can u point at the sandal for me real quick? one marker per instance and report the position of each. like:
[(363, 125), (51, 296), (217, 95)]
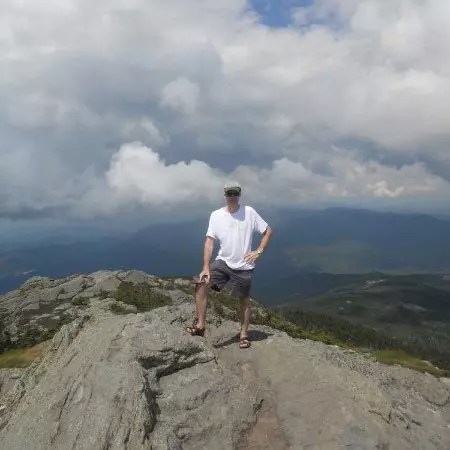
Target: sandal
[(194, 330), (244, 342)]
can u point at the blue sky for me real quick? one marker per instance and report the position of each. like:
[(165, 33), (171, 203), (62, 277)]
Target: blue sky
[(277, 13)]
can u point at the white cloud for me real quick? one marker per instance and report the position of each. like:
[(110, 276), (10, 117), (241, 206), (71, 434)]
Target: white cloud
[(181, 95), (138, 176), (212, 92), (143, 129), (137, 173)]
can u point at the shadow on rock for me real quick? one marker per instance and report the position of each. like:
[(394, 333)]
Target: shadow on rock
[(254, 335)]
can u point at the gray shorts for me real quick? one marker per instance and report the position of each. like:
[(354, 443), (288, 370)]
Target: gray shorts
[(240, 280)]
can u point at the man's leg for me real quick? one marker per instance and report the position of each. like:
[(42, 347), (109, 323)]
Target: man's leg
[(218, 279), (246, 315), (198, 327), (201, 303), (242, 281)]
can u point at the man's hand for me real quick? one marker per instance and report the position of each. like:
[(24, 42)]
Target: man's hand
[(204, 275), (251, 257)]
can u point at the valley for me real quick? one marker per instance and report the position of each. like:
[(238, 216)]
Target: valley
[(412, 312)]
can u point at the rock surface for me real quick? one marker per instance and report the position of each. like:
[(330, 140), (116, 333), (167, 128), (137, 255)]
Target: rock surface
[(138, 381), (42, 304), (8, 379)]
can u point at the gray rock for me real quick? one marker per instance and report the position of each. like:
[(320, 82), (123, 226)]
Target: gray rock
[(139, 381), (137, 276), (41, 301), (91, 286), (107, 284), (127, 382), (63, 307), (182, 282), (178, 297), (43, 316), (326, 397), (74, 286), (37, 281), (8, 378)]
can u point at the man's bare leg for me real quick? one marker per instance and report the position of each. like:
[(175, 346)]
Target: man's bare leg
[(201, 304), (201, 291), (246, 314)]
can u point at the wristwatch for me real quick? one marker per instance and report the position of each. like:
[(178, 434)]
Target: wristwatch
[(259, 251)]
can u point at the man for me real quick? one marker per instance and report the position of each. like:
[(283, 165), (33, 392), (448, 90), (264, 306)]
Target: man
[(233, 227)]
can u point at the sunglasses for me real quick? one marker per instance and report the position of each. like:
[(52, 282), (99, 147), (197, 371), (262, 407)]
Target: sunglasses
[(232, 193)]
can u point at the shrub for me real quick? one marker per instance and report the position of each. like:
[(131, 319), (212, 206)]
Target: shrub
[(117, 308), (404, 359), (81, 301), (141, 295), (33, 336)]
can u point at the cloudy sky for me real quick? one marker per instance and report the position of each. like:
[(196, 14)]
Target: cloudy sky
[(109, 106)]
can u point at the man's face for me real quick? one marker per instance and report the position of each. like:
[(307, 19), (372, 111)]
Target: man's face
[(232, 195)]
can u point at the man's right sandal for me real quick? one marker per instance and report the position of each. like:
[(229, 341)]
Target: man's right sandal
[(244, 342)]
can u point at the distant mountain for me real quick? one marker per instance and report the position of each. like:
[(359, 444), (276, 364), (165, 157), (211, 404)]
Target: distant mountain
[(163, 250), (334, 241), (357, 241)]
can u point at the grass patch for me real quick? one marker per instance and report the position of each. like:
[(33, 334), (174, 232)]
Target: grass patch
[(81, 301), (103, 294), (279, 323), (141, 295), (22, 357), (32, 336), (404, 359), (117, 308), (220, 299)]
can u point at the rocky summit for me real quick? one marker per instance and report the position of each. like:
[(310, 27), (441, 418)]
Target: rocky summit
[(116, 370)]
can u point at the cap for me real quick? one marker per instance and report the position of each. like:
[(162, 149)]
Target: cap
[(232, 185)]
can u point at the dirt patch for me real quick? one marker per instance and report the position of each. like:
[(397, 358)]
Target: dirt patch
[(266, 434)]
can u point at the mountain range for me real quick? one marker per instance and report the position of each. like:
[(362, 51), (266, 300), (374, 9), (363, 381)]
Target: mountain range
[(335, 241)]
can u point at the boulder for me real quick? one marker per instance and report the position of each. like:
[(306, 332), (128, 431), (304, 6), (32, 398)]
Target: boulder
[(132, 381)]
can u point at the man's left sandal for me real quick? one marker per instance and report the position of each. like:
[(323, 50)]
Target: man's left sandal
[(195, 331)]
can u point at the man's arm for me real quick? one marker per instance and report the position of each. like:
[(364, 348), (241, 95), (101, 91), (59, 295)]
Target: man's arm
[(262, 227), (265, 239), (207, 252), (253, 256), (209, 244)]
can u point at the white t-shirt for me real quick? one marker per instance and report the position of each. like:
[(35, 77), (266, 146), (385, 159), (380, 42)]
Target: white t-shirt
[(234, 231)]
